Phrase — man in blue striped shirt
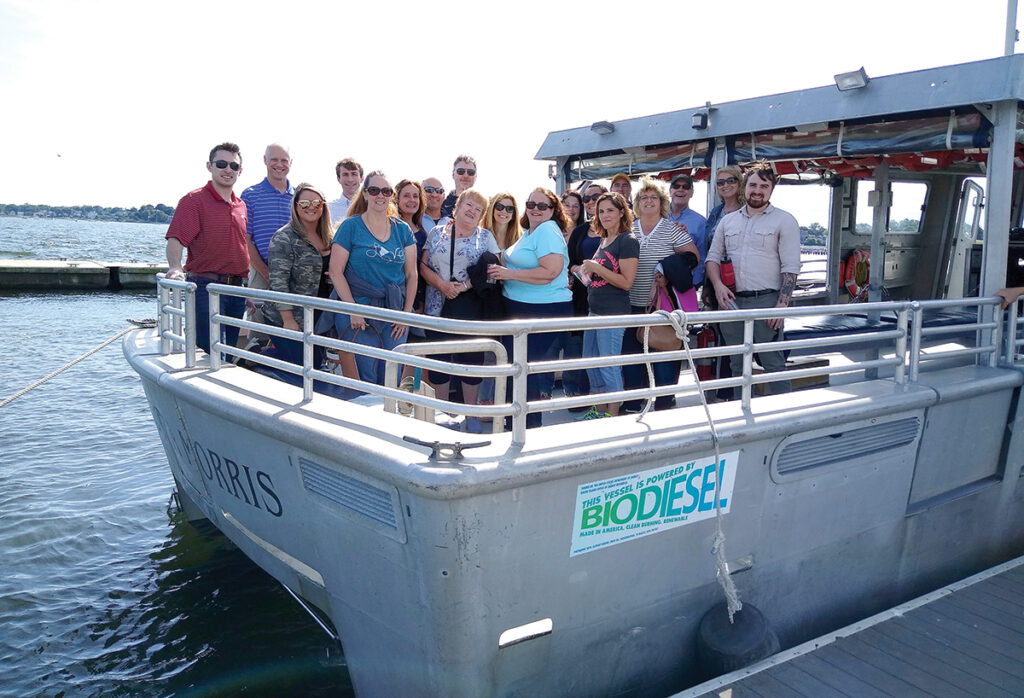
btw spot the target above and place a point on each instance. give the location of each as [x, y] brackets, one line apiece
[269, 206]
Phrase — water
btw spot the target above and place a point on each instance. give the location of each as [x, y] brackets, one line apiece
[102, 592]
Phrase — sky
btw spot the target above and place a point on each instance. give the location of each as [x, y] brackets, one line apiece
[118, 103]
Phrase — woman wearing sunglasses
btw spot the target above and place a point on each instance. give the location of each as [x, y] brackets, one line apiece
[535, 280]
[502, 221]
[373, 262]
[299, 258]
[659, 237]
[727, 186]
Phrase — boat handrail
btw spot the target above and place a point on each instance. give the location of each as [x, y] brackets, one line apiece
[895, 343]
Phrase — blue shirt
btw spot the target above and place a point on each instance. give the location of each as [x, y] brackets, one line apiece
[526, 253]
[378, 263]
[269, 210]
[696, 226]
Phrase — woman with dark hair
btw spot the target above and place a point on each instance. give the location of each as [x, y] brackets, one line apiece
[373, 262]
[572, 201]
[659, 237]
[612, 270]
[411, 202]
[535, 280]
[298, 259]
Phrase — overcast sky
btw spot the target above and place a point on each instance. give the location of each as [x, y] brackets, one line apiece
[118, 103]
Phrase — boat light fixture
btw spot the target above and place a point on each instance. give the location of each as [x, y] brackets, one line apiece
[602, 128]
[853, 80]
[699, 121]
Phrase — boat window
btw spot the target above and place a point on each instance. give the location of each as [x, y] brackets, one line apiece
[905, 210]
[810, 204]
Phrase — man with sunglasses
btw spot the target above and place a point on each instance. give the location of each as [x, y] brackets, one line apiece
[464, 176]
[350, 176]
[680, 191]
[210, 222]
[435, 197]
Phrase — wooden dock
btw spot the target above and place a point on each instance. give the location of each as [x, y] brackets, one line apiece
[68, 275]
[966, 639]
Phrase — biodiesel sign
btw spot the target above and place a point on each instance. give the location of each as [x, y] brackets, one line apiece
[630, 506]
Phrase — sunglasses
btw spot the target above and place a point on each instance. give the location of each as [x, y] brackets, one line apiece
[503, 207]
[543, 206]
[682, 185]
[221, 164]
[434, 190]
[727, 180]
[592, 197]
[464, 171]
[309, 203]
[377, 191]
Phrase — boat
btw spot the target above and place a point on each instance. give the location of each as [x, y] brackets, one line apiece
[579, 558]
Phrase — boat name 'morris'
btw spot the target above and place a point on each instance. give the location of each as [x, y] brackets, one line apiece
[254, 487]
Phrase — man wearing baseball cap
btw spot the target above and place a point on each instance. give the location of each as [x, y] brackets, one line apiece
[680, 191]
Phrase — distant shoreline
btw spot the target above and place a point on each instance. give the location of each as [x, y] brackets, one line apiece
[159, 214]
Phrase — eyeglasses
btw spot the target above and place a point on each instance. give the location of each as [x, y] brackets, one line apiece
[682, 185]
[309, 203]
[377, 191]
[727, 180]
[650, 197]
[464, 171]
[221, 164]
[503, 207]
[543, 206]
[592, 197]
[434, 190]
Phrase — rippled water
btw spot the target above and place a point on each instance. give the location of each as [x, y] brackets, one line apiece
[100, 241]
[102, 592]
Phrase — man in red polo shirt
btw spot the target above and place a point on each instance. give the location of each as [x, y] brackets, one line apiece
[210, 223]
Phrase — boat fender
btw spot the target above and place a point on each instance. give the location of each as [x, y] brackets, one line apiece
[723, 646]
[856, 272]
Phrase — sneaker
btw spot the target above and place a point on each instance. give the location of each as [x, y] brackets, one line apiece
[592, 413]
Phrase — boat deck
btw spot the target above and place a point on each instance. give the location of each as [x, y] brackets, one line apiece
[966, 639]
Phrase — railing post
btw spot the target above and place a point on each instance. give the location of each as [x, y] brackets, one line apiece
[307, 353]
[996, 315]
[902, 324]
[214, 329]
[189, 295]
[748, 362]
[519, 380]
[915, 342]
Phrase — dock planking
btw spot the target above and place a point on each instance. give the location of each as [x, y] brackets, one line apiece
[966, 639]
[70, 275]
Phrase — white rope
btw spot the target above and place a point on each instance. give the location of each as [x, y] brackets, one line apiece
[136, 325]
[680, 322]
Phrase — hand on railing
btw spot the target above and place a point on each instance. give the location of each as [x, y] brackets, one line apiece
[1009, 295]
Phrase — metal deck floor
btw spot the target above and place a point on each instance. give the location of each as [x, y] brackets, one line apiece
[966, 639]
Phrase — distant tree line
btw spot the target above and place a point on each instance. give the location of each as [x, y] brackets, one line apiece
[813, 235]
[145, 214]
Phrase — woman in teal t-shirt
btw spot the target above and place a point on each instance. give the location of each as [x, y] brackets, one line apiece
[534, 273]
[373, 262]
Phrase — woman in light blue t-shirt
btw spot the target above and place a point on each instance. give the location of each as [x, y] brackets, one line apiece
[373, 262]
[535, 281]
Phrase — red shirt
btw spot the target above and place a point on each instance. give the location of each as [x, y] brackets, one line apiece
[213, 231]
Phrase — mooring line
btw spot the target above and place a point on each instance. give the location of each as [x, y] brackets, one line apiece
[136, 324]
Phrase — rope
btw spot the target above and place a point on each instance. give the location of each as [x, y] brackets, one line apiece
[136, 324]
[679, 322]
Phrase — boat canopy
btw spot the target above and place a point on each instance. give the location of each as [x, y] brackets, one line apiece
[928, 119]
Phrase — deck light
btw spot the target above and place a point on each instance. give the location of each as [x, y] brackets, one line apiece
[602, 128]
[699, 121]
[853, 80]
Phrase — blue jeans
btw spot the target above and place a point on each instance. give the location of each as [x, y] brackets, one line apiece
[606, 342]
[570, 345]
[537, 346]
[232, 306]
[371, 370]
[635, 376]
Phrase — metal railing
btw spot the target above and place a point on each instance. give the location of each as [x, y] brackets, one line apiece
[902, 344]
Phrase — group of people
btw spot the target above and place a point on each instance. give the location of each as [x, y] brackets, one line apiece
[410, 246]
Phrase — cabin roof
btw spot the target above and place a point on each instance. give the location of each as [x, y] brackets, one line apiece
[942, 88]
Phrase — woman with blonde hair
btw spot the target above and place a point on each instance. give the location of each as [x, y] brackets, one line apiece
[501, 219]
[659, 237]
[373, 262]
[299, 259]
